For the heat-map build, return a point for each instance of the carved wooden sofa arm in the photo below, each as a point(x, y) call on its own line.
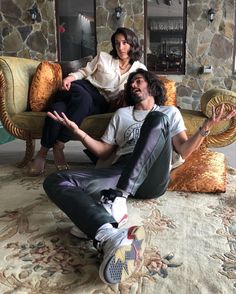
point(15, 78)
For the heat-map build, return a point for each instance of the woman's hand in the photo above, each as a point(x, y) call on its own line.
point(64, 120)
point(66, 83)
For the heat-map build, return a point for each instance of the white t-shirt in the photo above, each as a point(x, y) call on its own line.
point(104, 73)
point(123, 130)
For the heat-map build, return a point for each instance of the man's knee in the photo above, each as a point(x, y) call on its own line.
point(50, 183)
point(147, 193)
point(157, 117)
point(156, 120)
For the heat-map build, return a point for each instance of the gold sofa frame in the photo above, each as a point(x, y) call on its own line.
point(15, 79)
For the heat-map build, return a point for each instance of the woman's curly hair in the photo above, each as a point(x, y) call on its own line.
point(135, 52)
point(155, 86)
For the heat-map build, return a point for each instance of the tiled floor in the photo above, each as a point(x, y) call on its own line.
point(13, 152)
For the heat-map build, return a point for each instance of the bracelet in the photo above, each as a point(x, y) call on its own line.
point(84, 137)
point(203, 133)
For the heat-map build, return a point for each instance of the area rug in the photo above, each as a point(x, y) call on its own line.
point(191, 242)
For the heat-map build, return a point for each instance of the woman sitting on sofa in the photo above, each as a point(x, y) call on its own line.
point(89, 91)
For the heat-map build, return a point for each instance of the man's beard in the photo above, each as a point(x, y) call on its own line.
point(134, 98)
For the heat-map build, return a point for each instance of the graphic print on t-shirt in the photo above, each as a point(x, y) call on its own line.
point(131, 134)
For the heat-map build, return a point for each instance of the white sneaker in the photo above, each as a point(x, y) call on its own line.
point(75, 231)
point(115, 203)
point(123, 254)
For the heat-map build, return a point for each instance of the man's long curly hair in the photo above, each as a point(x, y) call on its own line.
point(155, 87)
point(131, 38)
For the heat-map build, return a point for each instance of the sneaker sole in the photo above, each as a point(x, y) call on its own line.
point(126, 260)
point(123, 221)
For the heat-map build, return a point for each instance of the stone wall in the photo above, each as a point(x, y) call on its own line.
point(106, 23)
point(207, 43)
point(20, 36)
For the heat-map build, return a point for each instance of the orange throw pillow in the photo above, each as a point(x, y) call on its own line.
point(46, 81)
point(170, 90)
point(204, 171)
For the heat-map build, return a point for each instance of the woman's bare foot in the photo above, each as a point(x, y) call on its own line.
point(38, 165)
point(59, 157)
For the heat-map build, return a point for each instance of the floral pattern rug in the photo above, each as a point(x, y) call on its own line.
point(191, 242)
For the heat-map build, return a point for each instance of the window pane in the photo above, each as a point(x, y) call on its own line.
point(165, 36)
point(76, 28)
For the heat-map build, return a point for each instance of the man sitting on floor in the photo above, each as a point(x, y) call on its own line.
point(142, 136)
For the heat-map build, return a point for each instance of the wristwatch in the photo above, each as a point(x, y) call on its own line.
point(203, 133)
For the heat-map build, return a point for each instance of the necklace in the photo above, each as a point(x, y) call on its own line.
point(141, 120)
point(124, 67)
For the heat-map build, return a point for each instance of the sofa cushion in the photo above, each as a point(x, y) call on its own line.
point(46, 81)
point(73, 65)
point(30, 120)
point(203, 171)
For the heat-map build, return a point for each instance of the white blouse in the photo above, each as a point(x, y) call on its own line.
point(104, 73)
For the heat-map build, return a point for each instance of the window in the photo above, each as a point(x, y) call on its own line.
point(76, 29)
point(165, 23)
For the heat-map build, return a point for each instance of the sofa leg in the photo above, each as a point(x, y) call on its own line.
point(29, 153)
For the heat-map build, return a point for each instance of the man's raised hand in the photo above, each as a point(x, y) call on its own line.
point(64, 120)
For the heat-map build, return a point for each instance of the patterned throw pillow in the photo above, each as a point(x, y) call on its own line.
point(204, 171)
point(46, 81)
point(170, 90)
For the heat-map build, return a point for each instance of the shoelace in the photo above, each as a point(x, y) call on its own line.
point(109, 196)
point(107, 200)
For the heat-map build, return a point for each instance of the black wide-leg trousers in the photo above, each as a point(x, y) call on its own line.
point(82, 100)
point(144, 174)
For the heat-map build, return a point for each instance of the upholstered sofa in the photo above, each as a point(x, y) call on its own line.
point(19, 120)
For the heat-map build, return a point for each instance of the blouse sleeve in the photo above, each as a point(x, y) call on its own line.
point(143, 66)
